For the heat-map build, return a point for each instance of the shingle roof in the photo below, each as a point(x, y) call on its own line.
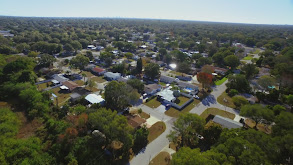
point(98, 70)
point(70, 84)
point(151, 87)
point(135, 121)
point(227, 123)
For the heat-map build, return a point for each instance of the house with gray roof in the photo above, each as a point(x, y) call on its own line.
point(226, 122)
point(110, 76)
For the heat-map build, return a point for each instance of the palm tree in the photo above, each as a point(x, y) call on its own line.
point(84, 76)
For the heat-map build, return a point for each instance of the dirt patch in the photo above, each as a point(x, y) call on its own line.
point(27, 128)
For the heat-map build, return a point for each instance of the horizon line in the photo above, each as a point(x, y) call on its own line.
point(82, 17)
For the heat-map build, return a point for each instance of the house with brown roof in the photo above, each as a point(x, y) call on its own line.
point(98, 71)
point(135, 121)
point(70, 85)
point(221, 71)
point(152, 89)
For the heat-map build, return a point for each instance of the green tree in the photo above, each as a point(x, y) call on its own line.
point(186, 127)
point(290, 100)
point(46, 60)
point(266, 82)
point(238, 82)
point(152, 70)
point(89, 54)
point(163, 51)
point(136, 84)
point(232, 61)
point(139, 66)
point(250, 70)
point(128, 55)
point(239, 101)
point(257, 113)
point(80, 61)
point(141, 138)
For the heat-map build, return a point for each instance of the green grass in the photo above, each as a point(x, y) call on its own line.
point(162, 84)
point(172, 112)
point(153, 103)
point(156, 130)
point(98, 79)
point(79, 82)
point(229, 102)
point(216, 111)
point(43, 86)
point(256, 51)
point(177, 73)
point(220, 82)
point(249, 57)
point(182, 100)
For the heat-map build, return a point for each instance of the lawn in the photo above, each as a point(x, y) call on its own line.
point(177, 73)
point(220, 82)
point(79, 82)
point(44, 86)
point(257, 51)
point(62, 97)
point(153, 103)
point(216, 111)
point(182, 100)
point(98, 79)
point(156, 130)
point(162, 84)
point(163, 158)
point(88, 74)
point(172, 112)
point(249, 57)
point(228, 103)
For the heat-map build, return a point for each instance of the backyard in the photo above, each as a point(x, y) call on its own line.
point(61, 97)
point(216, 111)
point(181, 100)
point(226, 100)
point(43, 86)
point(172, 112)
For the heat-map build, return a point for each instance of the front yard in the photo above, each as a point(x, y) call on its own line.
point(172, 112)
point(153, 103)
point(163, 158)
point(156, 130)
point(220, 82)
point(226, 100)
point(181, 100)
point(216, 111)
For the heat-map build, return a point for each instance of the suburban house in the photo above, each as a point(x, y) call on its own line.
point(111, 76)
point(89, 67)
point(135, 121)
point(152, 89)
point(221, 71)
point(166, 95)
point(69, 85)
point(95, 99)
point(60, 78)
point(227, 123)
point(167, 79)
point(91, 47)
point(98, 71)
point(55, 82)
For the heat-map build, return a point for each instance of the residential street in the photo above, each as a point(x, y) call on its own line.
point(156, 146)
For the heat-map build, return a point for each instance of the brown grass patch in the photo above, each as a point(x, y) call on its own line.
point(156, 130)
point(163, 158)
point(28, 128)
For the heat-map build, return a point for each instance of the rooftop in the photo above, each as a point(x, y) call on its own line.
point(70, 84)
point(227, 123)
point(135, 121)
point(93, 98)
point(166, 94)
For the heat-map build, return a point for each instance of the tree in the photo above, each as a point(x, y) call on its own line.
point(266, 82)
point(152, 71)
point(128, 55)
point(257, 113)
point(139, 66)
point(238, 82)
point(119, 93)
point(91, 83)
point(290, 100)
point(184, 67)
point(68, 47)
point(205, 78)
point(33, 54)
point(232, 61)
point(186, 127)
point(283, 124)
point(278, 109)
point(141, 138)
point(46, 60)
point(163, 52)
point(204, 61)
point(80, 61)
point(250, 70)
point(208, 69)
point(89, 54)
point(136, 84)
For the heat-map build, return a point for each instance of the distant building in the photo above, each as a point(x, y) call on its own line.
point(221, 71)
point(91, 47)
point(167, 79)
point(111, 76)
point(6, 34)
point(98, 71)
point(227, 123)
point(60, 78)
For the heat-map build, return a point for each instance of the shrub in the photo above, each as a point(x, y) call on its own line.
point(233, 92)
point(239, 101)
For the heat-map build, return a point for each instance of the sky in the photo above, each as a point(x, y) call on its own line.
point(236, 11)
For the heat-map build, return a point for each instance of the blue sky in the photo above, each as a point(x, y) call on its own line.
point(238, 11)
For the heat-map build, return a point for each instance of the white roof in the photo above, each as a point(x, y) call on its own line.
point(143, 46)
point(55, 81)
point(166, 94)
point(93, 98)
point(173, 66)
point(64, 87)
point(226, 122)
point(90, 46)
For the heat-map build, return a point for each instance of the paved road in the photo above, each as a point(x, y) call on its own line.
point(156, 146)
